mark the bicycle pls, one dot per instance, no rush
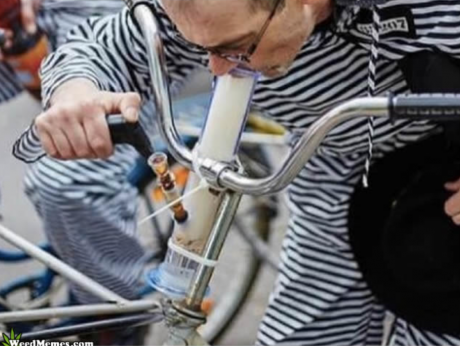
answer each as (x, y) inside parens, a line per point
(226, 301)
(224, 182)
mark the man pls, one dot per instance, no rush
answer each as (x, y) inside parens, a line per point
(313, 54)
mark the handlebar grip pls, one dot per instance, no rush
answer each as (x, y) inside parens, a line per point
(437, 107)
(123, 132)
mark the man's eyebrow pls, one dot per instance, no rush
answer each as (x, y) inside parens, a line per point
(234, 42)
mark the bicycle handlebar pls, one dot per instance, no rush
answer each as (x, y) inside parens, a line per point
(430, 107)
(438, 107)
(123, 132)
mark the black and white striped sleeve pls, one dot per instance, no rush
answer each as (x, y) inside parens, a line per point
(111, 52)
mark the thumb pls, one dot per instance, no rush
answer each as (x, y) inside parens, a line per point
(28, 16)
(128, 104)
(452, 186)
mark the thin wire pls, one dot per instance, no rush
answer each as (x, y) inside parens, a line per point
(203, 184)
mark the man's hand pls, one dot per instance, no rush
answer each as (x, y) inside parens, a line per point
(452, 206)
(75, 125)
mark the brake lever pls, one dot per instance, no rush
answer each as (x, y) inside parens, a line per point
(124, 132)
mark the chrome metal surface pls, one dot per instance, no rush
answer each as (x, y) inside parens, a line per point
(160, 85)
(60, 267)
(303, 149)
(79, 311)
(224, 218)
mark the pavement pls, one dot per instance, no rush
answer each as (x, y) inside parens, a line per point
(20, 216)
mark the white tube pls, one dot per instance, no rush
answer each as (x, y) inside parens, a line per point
(219, 141)
(227, 116)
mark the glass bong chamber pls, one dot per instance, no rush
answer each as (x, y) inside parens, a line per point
(190, 245)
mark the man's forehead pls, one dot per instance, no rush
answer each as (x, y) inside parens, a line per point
(209, 22)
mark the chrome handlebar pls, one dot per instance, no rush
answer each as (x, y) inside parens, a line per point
(415, 107)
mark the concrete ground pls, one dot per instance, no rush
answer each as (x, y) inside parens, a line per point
(19, 215)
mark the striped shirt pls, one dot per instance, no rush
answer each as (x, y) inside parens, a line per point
(319, 284)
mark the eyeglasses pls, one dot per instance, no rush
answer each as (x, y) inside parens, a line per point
(243, 57)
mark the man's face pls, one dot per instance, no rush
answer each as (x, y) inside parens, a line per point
(231, 26)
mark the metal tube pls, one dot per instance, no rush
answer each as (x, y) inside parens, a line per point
(93, 327)
(78, 311)
(60, 267)
(303, 149)
(224, 218)
(160, 86)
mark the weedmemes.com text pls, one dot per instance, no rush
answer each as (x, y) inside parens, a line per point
(15, 340)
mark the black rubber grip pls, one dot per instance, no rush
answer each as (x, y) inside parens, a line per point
(123, 132)
(437, 107)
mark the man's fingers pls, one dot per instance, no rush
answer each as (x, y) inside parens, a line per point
(63, 146)
(128, 104)
(77, 139)
(28, 16)
(129, 107)
(98, 135)
(47, 142)
(77, 127)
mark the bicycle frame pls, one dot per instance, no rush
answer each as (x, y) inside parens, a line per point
(183, 316)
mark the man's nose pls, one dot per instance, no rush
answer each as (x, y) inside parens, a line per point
(220, 66)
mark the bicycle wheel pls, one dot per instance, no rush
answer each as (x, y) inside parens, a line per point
(239, 264)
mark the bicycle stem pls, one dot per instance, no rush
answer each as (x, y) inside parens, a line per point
(213, 247)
